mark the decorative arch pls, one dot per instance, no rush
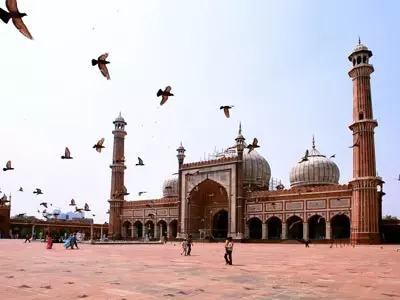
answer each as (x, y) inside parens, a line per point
(316, 227)
(173, 228)
(274, 225)
(204, 205)
(340, 226)
(220, 224)
(294, 227)
(126, 229)
(138, 228)
(149, 229)
(163, 228)
(255, 228)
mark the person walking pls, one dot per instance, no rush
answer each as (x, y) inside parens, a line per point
(27, 238)
(189, 244)
(228, 251)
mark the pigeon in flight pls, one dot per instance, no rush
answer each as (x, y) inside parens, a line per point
(78, 209)
(86, 207)
(226, 109)
(151, 215)
(72, 203)
(319, 219)
(14, 14)
(294, 223)
(398, 178)
(108, 212)
(140, 162)
(141, 193)
(102, 62)
(165, 94)
(8, 166)
(21, 215)
(356, 144)
(38, 192)
(253, 145)
(67, 154)
(44, 204)
(93, 215)
(332, 156)
(304, 158)
(99, 145)
(151, 204)
(121, 160)
(44, 211)
(21, 189)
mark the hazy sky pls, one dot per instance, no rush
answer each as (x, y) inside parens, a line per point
(283, 64)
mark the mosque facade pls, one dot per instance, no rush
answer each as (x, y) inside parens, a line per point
(231, 195)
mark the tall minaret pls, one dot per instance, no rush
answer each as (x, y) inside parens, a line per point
(365, 218)
(181, 157)
(239, 171)
(117, 179)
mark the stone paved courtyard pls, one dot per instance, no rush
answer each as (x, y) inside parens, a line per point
(260, 271)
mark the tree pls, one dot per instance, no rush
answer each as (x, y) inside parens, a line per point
(389, 217)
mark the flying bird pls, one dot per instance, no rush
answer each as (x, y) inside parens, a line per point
(253, 145)
(294, 223)
(86, 207)
(319, 219)
(93, 215)
(141, 193)
(151, 204)
(333, 156)
(226, 109)
(14, 14)
(102, 62)
(21, 215)
(140, 162)
(108, 211)
(356, 144)
(121, 160)
(72, 203)
(44, 204)
(398, 178)
(99, 145)
(21, 189)
(78, 209)
(123, 193)
(8, 166)
(67, 154)
(44, 211)
(38, 192)
(165, 94)
(151, 215)
(304, 158)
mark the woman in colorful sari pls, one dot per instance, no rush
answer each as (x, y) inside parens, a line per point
(68, 242)
(49, 242)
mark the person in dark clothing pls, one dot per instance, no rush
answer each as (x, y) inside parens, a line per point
(189, 244)
(308, 242)
(27, 238)
(228, 251)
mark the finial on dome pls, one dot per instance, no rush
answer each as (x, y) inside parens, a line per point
(359, 40)
(313, 141)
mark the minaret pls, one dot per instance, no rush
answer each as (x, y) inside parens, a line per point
(181, 157)
(117, 179)
(239, 177)
(365, 218)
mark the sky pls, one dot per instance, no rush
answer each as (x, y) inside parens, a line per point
(282, 64)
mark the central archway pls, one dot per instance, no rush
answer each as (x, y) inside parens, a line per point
(294, 228)
(204, 202)
(220, 224)
(340, 226)
(255, 228)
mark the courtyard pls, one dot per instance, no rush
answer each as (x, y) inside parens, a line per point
(260, 271)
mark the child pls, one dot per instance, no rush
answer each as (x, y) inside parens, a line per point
(184, 247)
(49, 242)
(228, 251)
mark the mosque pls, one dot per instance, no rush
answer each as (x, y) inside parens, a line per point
(231, 194)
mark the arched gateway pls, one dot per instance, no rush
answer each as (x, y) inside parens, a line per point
(207, 210)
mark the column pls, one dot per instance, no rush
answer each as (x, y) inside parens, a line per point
(33, 230)
(144, 231)
(155, 231)
(328, 230)
(264, 231)
(246, 231)
(91, 231)
(168, 230)
(161, 232)
(132, 231)
(101, 233)
(284, 231)
(305, 231)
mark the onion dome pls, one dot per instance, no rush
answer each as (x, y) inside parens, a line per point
(256, 169)
(170, 187)
(316, 170)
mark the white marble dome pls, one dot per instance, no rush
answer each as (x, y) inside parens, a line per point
(256, 168)
(170, 187)
(317, 170)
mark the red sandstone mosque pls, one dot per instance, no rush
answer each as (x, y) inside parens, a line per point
(231, 194)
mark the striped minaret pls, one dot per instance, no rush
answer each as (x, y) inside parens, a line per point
(365, 218)
(117, 179)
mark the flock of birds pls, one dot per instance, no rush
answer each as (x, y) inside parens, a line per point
(16, 16)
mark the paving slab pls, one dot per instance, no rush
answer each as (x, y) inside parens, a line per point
(259, 271)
